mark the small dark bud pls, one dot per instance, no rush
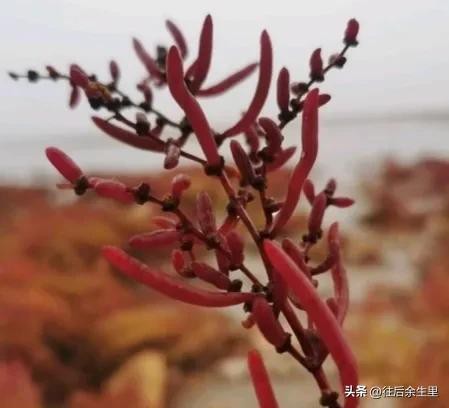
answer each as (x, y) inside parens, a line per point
(236, 285)
(271, 205)
(111, 87)
(212, 241)
(247, 307)
(299, 88)
(287, 116)
(142, 193)
(161, 122)
(81, 185)
(145, 106)
(186, 245)
(142, 124)
(286, 345)
(258, 183)
(264, 234)
(161, 55)
(32, 75)
(214, 170)
(296, 105)
(185, 125)
(337, 60)
(170, 204)
(265, 155)
(231, 209)
(257, 288)
(52, 73)
(113, 104)
(126, 102)
(95, 103)
(13, 76)
(328, 398)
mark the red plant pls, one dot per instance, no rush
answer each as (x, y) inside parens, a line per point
(291, 273)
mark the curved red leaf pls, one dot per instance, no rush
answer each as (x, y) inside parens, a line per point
(261, 381)
(168, 285)
(147, 60)
(263, 86)
(191, 107)
(203, 60)
(125, 136)
(283, 90)
(64, 164)
(178, 37)
(323, 318)
(228, 82)
(309, 136)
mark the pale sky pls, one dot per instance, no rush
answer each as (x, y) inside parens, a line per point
(400, 65)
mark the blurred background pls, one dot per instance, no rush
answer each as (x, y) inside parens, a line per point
(74, 334)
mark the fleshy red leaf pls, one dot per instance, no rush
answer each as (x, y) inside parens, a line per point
(78, 77)
(178, 37)
(242, 162)
(169, 285)
(261, 381)
(211, 275)
(252, 139)
(223, 261)
(179, 184)
(268, 325)
(178, 261)
(323, 99)
(125, 136)
(205, 213)
(114, 70)
(272, 134)
(341, 202)
(309, 135)
(228, 224)
(64, 164)
(262, 88)
(320, 314)
(164, 222)
(295, 253)
(351, 32)
(146, 91)
(283, 90)
(236, 247)
(228, 82)
(317, 214)
(309, 190)
(155, 239)
(192, 109)
(203, 60)
(148, 61)
(74, 97)
(282, 157)
(115, 190)
(339, 276)
(316, 66)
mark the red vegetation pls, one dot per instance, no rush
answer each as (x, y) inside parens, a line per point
(190, 235)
